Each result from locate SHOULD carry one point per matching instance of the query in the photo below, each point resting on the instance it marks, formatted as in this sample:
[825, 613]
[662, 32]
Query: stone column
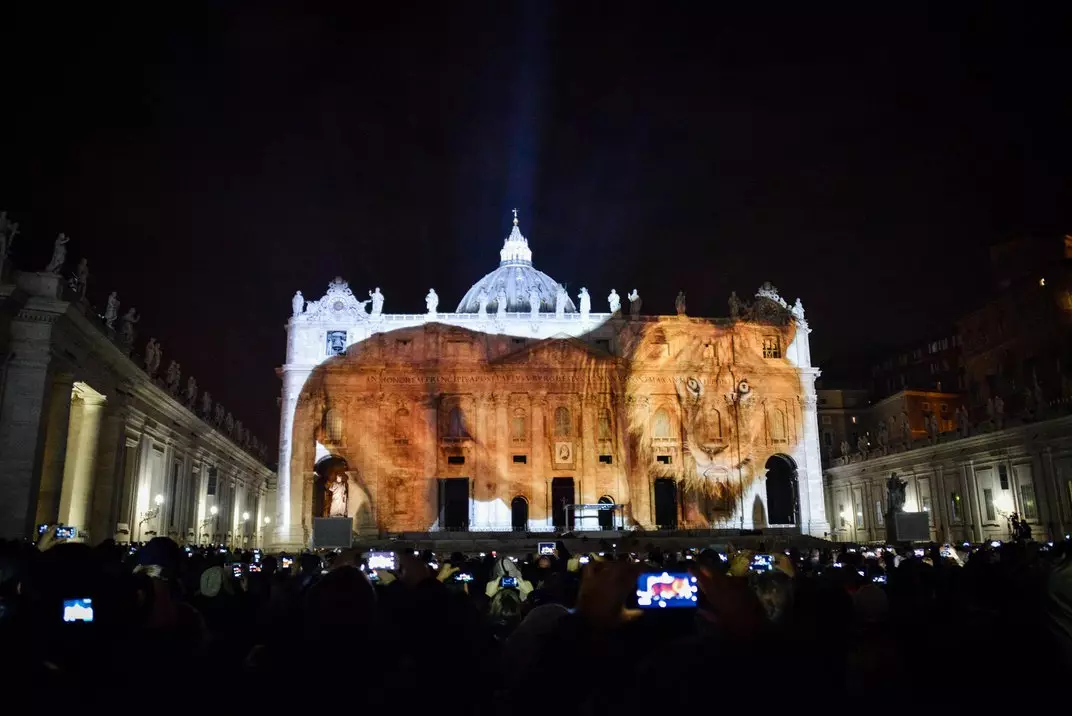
[430, 498]
[1054, 514]
[286, 523]
[973, 498]
[58, 422]
[810, 483]
[540, 474]
[80, 466]
[24, 407]
[108, 482]
[502, 447]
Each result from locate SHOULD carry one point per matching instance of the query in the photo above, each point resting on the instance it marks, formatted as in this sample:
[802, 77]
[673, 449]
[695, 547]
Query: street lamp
[267, 520]
[159, 500]
[214, 510]
[245, 517]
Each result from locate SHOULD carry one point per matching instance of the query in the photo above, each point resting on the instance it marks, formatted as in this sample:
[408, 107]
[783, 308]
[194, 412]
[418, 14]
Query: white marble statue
[126, 327]
[798, 311]
[191, 391]
[228, 423]
[338, 497]
[585, 302]
[81, 278]
[482, 305]
[431, 301]
[500, 303]
[679, 303]
[8, 229]
[206, 405]
[560, 303]
[634, 304]
[173, 376]
[59, 255]
[906, 432]
[153, 357]
[534, 302]
[217, 416]
[615, 301]
[111, 310]
[238, 430]
[377, 301]
[297, 304]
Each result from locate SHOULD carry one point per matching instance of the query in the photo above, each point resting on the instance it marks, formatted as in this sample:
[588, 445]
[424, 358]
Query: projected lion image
[667, 421]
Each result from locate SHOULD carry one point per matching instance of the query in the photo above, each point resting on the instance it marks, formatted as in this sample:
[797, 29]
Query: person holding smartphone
[506, 571]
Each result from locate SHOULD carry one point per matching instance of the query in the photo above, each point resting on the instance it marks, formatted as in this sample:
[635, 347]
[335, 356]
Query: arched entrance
[782, 507]
[606, 517]
[665, 503]
[519, 514]
[327, 470]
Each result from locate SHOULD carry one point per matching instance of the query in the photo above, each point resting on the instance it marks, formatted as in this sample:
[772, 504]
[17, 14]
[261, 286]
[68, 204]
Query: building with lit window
[524, 409]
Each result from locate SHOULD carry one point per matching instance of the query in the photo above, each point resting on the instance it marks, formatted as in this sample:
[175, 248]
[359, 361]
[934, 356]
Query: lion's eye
[693, 386]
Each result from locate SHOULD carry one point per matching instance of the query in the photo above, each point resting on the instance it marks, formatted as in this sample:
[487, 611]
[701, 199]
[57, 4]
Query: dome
[516, 276]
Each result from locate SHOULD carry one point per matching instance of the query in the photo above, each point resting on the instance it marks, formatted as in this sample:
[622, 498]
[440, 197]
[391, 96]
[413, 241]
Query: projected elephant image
[439, 427]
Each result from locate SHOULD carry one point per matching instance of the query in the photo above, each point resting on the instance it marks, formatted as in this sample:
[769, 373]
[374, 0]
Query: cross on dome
[515, 250]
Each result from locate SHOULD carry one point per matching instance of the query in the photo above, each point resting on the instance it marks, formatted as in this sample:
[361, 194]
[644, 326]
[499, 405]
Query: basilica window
[402, 426]
[456, 424]
[563, 424]
[519, 427]
[772, 347]
[778, 428]
[660, 424]
[605, 431]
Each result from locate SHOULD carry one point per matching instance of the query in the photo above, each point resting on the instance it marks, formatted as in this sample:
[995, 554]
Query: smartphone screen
[762, 563]
[463, 577]
[546, 548]
[66, 532]
[288, 562]
[237, 569]
[509, 582]
[254, 568]
[78, 610]
[382, 560]
[584, 559]
[660, 590]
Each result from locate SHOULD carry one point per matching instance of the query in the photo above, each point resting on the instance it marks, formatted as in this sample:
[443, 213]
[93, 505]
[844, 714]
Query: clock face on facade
[338, 306]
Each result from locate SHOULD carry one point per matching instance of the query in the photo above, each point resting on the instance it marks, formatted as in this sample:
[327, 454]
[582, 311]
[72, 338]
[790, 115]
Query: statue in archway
[338, 497]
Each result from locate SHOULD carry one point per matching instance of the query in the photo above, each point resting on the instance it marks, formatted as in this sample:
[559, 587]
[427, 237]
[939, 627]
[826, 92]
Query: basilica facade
[525, 410]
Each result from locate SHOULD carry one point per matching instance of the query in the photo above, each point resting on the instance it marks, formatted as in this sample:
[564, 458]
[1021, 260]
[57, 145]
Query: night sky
[209, 161]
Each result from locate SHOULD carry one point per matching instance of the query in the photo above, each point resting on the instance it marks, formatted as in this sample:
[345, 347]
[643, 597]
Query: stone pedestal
[907, 527]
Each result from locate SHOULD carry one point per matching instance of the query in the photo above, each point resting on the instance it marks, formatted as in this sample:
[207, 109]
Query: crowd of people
[532, 633]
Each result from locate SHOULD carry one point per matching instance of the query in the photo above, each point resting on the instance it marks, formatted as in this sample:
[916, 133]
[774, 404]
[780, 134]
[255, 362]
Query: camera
[508, 582]
[41, 529]
[78, 610]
